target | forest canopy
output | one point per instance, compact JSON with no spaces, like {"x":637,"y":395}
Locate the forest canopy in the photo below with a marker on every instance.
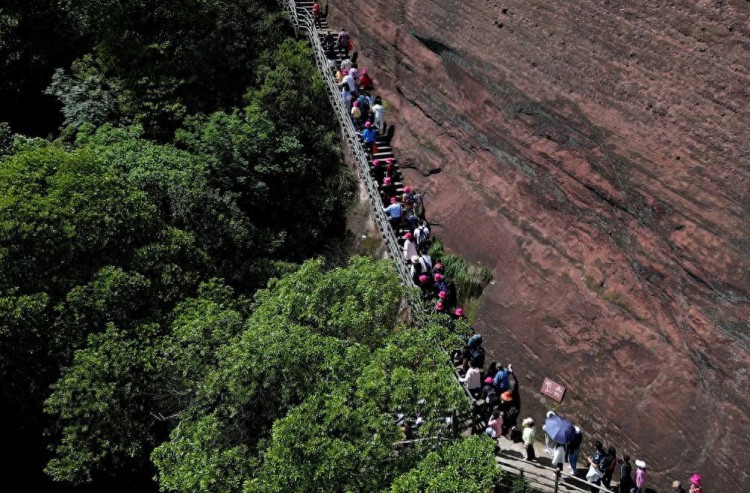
{"x":171,"y":177}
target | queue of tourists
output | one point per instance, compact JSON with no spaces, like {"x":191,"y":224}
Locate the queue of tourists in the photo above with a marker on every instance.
{"x":496,"y":388}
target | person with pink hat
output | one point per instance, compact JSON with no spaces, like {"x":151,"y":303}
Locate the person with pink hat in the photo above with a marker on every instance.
{"x":696,"y":484}
{"x":365,"y":82}
{"x":410,"y":247}
{"x":440,"y":284}
{"x":377,"y":170}
{"x":369,"y":136}
{"x":440,"y":308}
{"x":356,"y":114}
{"x":394,"y":212}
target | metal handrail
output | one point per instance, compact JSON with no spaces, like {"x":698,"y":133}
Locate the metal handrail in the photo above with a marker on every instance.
{"x":303,"y":21}
{"x":543,"y":477}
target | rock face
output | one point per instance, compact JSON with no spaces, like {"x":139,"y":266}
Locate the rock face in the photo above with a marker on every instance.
{"x":596,"y":155}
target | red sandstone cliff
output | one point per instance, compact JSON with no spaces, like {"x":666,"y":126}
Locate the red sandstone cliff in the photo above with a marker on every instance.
{"x":596,"y":155}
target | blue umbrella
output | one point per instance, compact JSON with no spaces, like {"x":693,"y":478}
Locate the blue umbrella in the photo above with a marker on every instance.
{"x":559,"y":429}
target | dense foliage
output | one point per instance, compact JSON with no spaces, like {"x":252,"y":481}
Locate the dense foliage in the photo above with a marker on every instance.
{"x":161,"y":324}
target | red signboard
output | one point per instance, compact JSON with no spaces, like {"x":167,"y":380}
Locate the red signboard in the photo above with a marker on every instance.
{"x":553,"y":390}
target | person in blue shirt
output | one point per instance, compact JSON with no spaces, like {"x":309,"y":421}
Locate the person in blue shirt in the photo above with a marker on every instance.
{"x":369,"y":135}
{"x":394,"y":212}
{"x":502,"y":379}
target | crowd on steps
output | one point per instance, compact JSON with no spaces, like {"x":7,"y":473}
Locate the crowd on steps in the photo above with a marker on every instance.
{"x":495,"y":389}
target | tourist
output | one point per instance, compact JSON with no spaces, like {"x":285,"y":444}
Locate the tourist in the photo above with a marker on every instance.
{"x":440,"y":283}
{"x":378,"y":112}
{"x":473,"y":378}
{"x":640,"y":477}
{"x":425,"y":284}
{"x":394,"y":212}
{"x":696,"y":484}
{"x":364,"y":105}
{"x":626,"y":475}
{"x":416,"y":269}
{"x":529,"y":433}
{"x":346,"y":64}
{"x":376,"y":171}
{"x":354,"y":72}
{"x":495,"y":425}
{"x":489,"y":393}
{"x":676,"y":487}
{"x":491,"y":370}
{"x":356,"y":114}
{"x":440,"y":308}
{"x":331,"y":58}
{"x":438,"y":268}
{"x":502,"y":378}
{"x":422,"y":235}
{"x":558,"y":455}
{"x":316,"y":13}
{"x":573,"y":448}
{"x":459,"y":314}
{"x":343,"y":40}
{"x":365,"y":82}
{"x":410,"y":248}
{"x":369,"y":136}
{"x":608,"y":465}
{"x":425,"y":259}
{"x":595,"y":473}
{"x":549,"y":443}
{"x":511,"y":412}
{"x":349,"y":81}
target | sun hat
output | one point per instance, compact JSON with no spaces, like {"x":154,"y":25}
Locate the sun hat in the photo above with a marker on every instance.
{"x":695,"y":479}
{"x":423,"y":278}
{"x":528,"y":421}
{"x":393,"y":200}
{"x":641,"y":464}
{"x":407,"y":189}
{"x":389,"y":160}
{"x":488,"y":380}
{"x":368,"y":124}
{"x":507,"y":396}
{"x":387,"y":181}
{"x":438,"y":266}
{"x":442,"y":294}
{"x":407,"y":236}
{"x":355,"y":103}
{"x":345,"y":71}
{"x":439,"y":305}
{"x":459,"y":312}
{"x":438,"y":277}
{"x":376,"y":162}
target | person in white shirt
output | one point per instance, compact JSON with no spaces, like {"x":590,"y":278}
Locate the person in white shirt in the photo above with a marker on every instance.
{"x":346,"y":64}
{"x":473,"y":378}
{"x":410,"y":248}
{"x":349,"y":81}
{"x":379,"y":115}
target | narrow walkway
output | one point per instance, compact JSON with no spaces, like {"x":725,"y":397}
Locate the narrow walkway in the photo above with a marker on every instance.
{"x":509,"y":453}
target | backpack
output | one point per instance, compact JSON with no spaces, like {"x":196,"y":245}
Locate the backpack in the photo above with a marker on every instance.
{"x":422,"y":234}
{"x":477,"y":357}
{"x":474,"y":341}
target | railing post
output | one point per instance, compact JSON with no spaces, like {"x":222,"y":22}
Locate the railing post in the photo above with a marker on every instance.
{"x":557,"y":479}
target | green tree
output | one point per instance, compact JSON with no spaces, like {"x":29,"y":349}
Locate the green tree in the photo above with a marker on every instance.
{"x":466,"y":465}
{"x":331,"y":442}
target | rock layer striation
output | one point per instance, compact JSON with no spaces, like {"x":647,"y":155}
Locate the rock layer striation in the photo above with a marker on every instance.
{"x":596,"y":155}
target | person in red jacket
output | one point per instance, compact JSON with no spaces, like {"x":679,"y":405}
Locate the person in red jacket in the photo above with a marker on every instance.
{"x":316,"y":13}
{"x":365,"y":82}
